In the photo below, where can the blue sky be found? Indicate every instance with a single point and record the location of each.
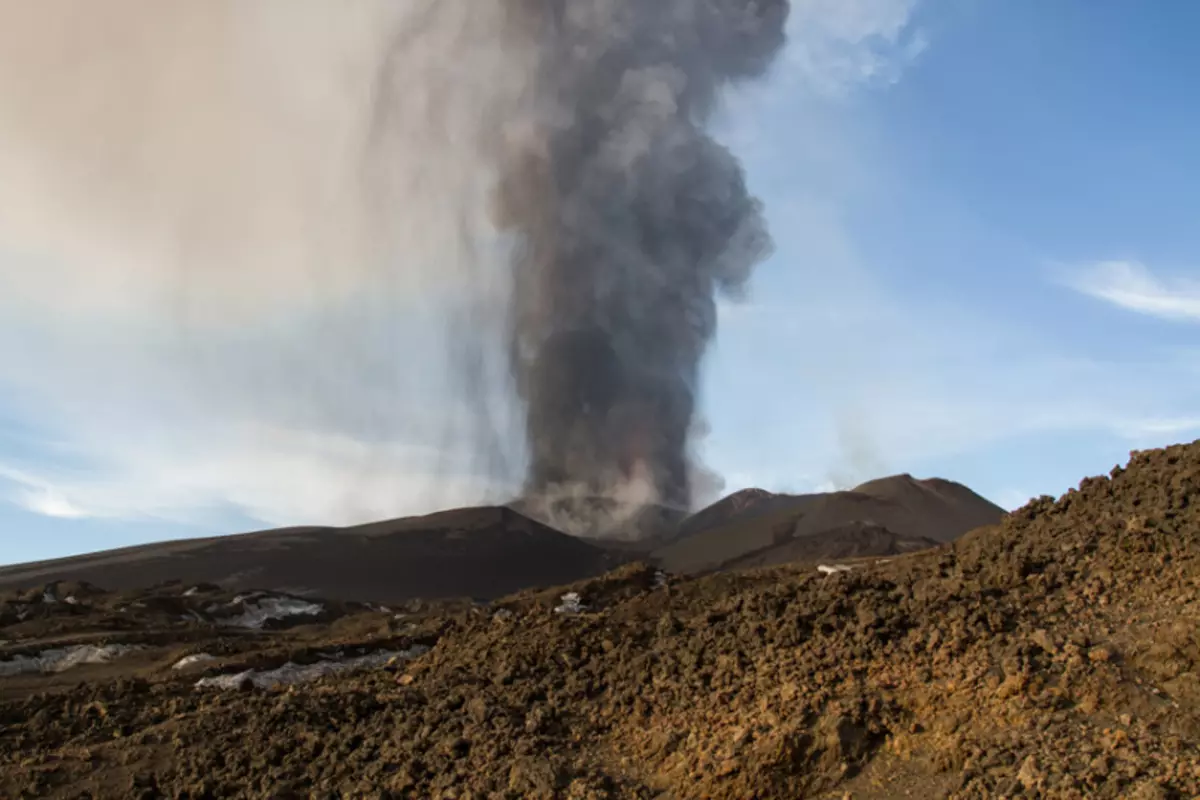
(987, 269)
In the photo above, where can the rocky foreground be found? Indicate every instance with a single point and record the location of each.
(1054, 655)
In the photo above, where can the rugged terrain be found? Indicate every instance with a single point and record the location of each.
(1056, 654)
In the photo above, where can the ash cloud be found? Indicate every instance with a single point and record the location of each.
(214, 183)
(631, 220)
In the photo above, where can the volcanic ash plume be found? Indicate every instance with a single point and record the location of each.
(631, 218)
(412, 227)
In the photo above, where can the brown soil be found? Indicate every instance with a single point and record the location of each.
(1056, 654)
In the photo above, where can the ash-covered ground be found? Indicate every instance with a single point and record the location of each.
(1056, 654)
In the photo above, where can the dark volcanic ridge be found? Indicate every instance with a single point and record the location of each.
(1055, 654)
(475, 552)
(882, 517)
(492, 551)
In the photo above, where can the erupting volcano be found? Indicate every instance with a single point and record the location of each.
(312, 189)
(630, 219)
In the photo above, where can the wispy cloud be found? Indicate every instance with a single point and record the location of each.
(1133, 286)
(277, 477)
(840, 45)
(36, 494)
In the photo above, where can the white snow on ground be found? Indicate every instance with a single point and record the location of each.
(258, 611)
(63, 658)
(571, 604)
(826, 569)
(290, 674)
(191, 661)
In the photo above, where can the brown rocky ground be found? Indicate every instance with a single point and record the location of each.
(1054, 655)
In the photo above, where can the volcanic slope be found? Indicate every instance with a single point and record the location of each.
(473, 552)
(883, 517)
(1053, 655)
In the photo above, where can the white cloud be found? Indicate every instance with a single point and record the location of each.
(35, 494)
(1132, 286)
(838, 45)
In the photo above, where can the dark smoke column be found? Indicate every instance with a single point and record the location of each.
(631, 219)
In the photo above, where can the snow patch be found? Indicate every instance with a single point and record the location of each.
(61, 659)
(290, 674)
(193, 660)
(258, 612)
(828, 569)
(571, 604)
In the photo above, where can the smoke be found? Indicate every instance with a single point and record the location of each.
(859, 456)
(238, 156)
(320, 218)
(238, 233)
(631, 219)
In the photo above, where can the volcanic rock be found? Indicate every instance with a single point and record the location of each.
(1055, 654)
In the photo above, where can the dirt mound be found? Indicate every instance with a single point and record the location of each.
(1056, 654)
(479, 552)
(757, 527)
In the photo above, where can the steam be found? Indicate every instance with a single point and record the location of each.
(276, 183)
